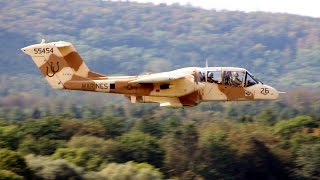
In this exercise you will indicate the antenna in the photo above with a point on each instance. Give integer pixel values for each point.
(206, 62)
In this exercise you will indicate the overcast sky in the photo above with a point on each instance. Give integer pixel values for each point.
(300, 7)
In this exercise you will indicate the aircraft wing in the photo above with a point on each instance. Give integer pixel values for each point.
(159, 77)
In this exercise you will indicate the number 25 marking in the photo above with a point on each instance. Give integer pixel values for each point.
(264, 91)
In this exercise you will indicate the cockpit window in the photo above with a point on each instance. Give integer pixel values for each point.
(214, 77)
(202, 76)
(233, 78)
(250, 81)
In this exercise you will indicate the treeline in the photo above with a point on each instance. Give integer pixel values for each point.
(153, 147)
(83, 105)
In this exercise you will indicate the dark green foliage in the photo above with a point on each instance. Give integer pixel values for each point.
(109, 150)
(149, 126)
(9, 137)
(261, 163)
(14, 162)
(308, 161)
(291, 126)
(141, 147)
(73, 127)
(175, 140)
(49, 127)
(189, 175)
(82, 157)
(113, 126)
(180, 148)
(267, 117)
(42, 136)
(185, 149)
(41, 146)
(216, 159)
(8, 175)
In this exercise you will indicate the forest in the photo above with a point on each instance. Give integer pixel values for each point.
(50, 134)
(278, 140)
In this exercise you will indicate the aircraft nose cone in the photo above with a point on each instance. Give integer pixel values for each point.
(274, 93)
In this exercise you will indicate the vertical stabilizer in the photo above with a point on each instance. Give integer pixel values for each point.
(59, 62)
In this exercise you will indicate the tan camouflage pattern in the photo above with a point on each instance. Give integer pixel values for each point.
(63, 68)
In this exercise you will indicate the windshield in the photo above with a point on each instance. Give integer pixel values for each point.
(251, 80)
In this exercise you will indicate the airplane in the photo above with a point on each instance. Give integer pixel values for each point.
(63, 68)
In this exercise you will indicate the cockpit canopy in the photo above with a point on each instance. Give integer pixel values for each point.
(228, 76)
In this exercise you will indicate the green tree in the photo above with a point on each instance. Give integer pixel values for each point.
(261, 163)
(129, 170)
(40, 146)
(72, 127)
(180, 147)
(8, 175)
(109, 150)
(93, 143)
(150, 126)
(267, 117)
(170, 124)
(49, 127)
(140, 147)
(308, 161)
(14, 162)
(287, 127)
(114, 126)
(9, 137)
(299, 139)
(80, 156)
(216, 159)
(46, 168)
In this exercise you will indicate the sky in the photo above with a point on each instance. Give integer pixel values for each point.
(299, 7)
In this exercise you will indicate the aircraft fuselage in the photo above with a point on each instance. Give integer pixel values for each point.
(63, 68)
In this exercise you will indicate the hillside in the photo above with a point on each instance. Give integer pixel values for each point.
(130, 38)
